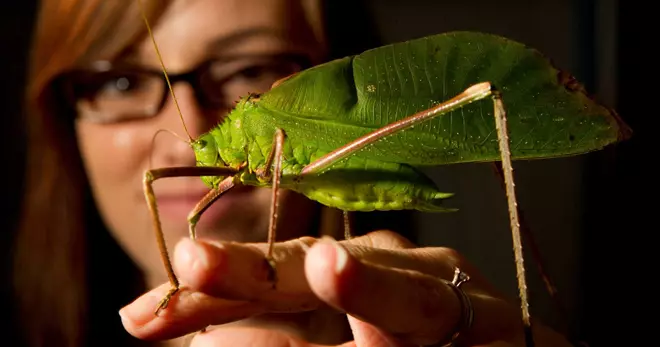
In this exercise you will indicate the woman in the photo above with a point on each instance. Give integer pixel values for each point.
(97, 98)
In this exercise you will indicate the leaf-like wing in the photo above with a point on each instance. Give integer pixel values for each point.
(549, 114)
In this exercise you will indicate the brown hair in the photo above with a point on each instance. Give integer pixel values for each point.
(63, 255)
(50, 253)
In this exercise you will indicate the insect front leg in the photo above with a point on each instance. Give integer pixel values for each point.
(207, 201)
(154, 174)
(471, 94)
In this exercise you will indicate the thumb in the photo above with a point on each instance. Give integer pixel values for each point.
(365, 334)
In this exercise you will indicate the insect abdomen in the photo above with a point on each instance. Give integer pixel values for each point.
(371, 198)
(353, 184)
(360, 184)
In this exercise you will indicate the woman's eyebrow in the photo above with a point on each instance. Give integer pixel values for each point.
(221, 44)
(240, 36)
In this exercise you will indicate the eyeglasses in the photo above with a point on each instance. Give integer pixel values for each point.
(105, 93)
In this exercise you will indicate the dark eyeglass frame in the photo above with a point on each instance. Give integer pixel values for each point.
(69, 81)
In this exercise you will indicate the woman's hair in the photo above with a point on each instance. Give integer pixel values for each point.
(64, 258)
(51, 253)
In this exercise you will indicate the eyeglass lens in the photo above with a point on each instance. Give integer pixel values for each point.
(120, 95)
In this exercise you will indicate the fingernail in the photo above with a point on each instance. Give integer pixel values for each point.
(305, 247)
(341, 256)
(140, 311)
(198, 255)
(328, 238)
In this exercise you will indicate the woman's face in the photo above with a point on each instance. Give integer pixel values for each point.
(249, 35)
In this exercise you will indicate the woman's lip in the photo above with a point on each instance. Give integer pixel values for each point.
(186, 196)
(196, 193)
(175, 205)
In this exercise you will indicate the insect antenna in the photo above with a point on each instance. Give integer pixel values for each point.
(162, 65)
(153, 143)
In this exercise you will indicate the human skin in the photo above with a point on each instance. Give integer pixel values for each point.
(220, 282)
(115, 155)
(392, 292)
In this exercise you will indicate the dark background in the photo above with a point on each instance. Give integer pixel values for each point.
(586, 213)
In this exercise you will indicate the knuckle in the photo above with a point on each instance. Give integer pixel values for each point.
(438, 261)
(388, 239)
(450, 255)
(307, 240)
(435, 316)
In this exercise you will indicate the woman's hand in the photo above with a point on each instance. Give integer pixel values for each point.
(393, 294)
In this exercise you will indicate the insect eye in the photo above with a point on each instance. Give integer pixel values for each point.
(199, 144)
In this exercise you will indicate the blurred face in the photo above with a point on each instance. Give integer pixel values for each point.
(244, 45)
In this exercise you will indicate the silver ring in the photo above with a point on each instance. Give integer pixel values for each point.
(467, 311)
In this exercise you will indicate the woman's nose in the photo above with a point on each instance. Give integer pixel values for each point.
(185, 113)
(185, 117)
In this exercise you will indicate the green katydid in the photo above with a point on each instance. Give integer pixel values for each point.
(350, 133)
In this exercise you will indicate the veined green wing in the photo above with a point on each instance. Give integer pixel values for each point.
(548, 112)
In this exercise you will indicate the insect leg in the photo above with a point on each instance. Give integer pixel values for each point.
(471, 94)
(347, 225)
(514, 219)
(149, 177)
(207, 201)
(275, 159)
(526, 233)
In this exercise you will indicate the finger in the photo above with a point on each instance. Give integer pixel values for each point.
(380, 239)
(187, 311)
(237, 273)
(240, 271)
(408, 304)
(227, 281)
(244, 336)
(231, 336)
(367, 335)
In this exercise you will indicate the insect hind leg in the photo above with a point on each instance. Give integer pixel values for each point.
(149, 177)
(471, 94)
(514, 219)
(348, 230)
